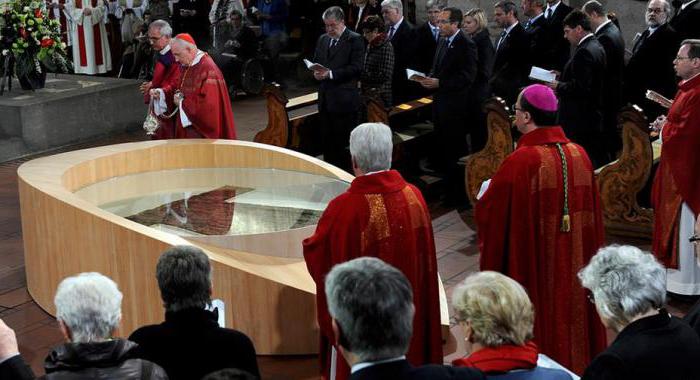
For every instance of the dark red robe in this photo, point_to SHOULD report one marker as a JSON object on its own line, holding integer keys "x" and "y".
{"x": 380, "y": 216}
{"x": 519, "y": 222}
{"x": 166, "y": 76}
{"x": 206, "y": 103}
{"x": 677, "y": 179}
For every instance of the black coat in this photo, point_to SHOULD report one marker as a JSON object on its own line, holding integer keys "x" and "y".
{"x": 538, "y": 33}
{"x": 693, "y": 317}
{"x": 404, "y": 50}
{"x": 190, "y": 344}
{"x": 425, "y": 45}
{"x": 687, "y": 21}
{"x": 580, "y": 93}
{"x": 485, "y": 57}
{"x": 559, "y": 49}
{"x": 402, "y": 370}
{"x": 456, "y": 72}
{"x": 656, "y": 347}
{"x": 611, "y": 39}
{"x": 651, "y": 68}
{"x": 345, "y": 60}
{"x": 511, "y": 65}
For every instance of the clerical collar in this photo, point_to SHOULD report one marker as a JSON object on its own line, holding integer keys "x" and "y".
{"x": 165, "y": 50}
{"x": 686, "y": 5}
{"x": 587, "y": 36}
{"x": 197, "y": 58}
{"x": 364, "y": 365}
{"x": 601, "y": 26}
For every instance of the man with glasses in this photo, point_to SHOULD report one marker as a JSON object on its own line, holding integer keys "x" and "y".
{"x": 166, "y": 75}
{"x": 651, "y": 65}
{"x": 676, "y": 191}
{"x": 539, "y": 221}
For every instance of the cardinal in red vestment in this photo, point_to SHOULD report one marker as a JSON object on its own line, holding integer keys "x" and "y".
{"x": 166, "y": 76}
{"x": 380, "y": 216}
{"x": 201, "y": 96}
{"x": 676, "y": 189}
{"x": 539, "y": 221}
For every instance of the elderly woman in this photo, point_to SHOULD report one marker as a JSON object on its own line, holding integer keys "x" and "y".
{"x": 379, "y": 62}
{"x": 628, "y": 287}
{"x": 474, "y": 25}
{"x": 88, "y": 310}
{"x": 497, "y": 318}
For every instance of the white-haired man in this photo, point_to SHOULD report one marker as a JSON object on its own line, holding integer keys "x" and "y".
{"x": 204, "y": 107}
{"x": 88, "y": 310}
{"x": 371, "y": 309}
{"x": 401, "y": 34}
{"x": 383, "y": 216}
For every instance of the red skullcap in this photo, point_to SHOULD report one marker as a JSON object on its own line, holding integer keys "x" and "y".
{"x": 186, "y": 37}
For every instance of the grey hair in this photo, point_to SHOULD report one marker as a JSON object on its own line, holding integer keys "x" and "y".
{"x": 183, "y": 43}
{"x": 90, "y": 305}
{"x": 336, "y": 13}
{"x": 440, "y": 4}
{"x": 625, "y": 282}
{"x": 163, "y": 27}
{"x": 372, "y": 304}
{"x": 184, "y": 278}
{"x": 371, "y": 146}
{"x": 395, "y": 4}
{"x": 667, "y": 7}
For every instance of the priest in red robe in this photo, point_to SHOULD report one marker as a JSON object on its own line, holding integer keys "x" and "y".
{"x": 676, "y": 190}
{"x": 539, "y": 221}
{"x": 382, "y": 216}
{"x": 166, "y": 77}
{"x": 204, "y": 107}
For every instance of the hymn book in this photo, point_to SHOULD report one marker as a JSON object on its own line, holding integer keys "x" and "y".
{"x": 415, "y": 75}
{"x": 314, "y": 66}
{"x": 542, "y": 75}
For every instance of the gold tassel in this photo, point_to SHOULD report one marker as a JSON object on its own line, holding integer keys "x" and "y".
{"x": 565, "y": 223}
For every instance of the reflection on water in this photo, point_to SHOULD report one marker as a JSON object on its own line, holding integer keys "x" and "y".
{"x": 221, "y": 201}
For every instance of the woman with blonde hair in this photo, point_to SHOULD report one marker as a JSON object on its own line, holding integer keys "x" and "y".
{"x": 497, "y": 318}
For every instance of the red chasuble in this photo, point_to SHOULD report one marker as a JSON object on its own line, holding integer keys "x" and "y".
{"x": 519, "y": 221}
{"x": 380, "y": 216}
{"x": 166, "y": 76}
{"x": 677, "y": 179}
{"x": 206, "y": 103}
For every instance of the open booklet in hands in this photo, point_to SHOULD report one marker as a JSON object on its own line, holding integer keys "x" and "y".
{"x": 415, "y": 75}
{"x": 314, "y": 66}
{"x": 542, "y": 75}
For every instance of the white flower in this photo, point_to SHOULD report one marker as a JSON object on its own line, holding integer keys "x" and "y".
{"x": 5, "y": 52}
{"x": 63, "y": 45}
{"x": 26, "y": 9}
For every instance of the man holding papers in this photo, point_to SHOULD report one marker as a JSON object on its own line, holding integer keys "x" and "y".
{"x": 338, "y": 65}
{"x": 452, "y": 75}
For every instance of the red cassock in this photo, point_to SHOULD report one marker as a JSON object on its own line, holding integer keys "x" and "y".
{"x": 380, "y": 216}
{"x": 206, "y": 103}
{"x": 519, "y": 221}
{"x": 677, "y": 179}
{"x": 166, "y": 76}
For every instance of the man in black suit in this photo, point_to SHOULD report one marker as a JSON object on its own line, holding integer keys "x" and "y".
{"x": 611, "y": 39}
{"x": 536, "y": 28}
{"x": 371, "y": 306}
{"x": 558, "y": 47}
{"x": 189, "y": 343}
{"x": 512, "y": 64}
{"x": 400, "y": 33}
{"x": 451, "y": 77}
{"x": 687, "y": 19}
{"x": 651, "y": 65}
{"x": 341, "y": 52}
{"x": 427, "y": 37}
{"x": 580, "y": 88}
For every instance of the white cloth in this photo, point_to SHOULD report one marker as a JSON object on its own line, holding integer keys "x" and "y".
{"x": 57, "y": 15}
{"x": 686, "y": 279}
{"x": 160, "y": 106}
{"x": 81, "y": 21}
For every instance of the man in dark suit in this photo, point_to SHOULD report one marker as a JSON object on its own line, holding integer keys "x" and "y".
{"x": 189, "y": 343}
{"x": 341, "y": 52}
{"x": 371, "y": 306}
{"x": 580, "y": 88}
{"x": 400, "y": 33}
{"x": 427, "y": 37}
{"x": 451, "y": 77}
{"x": 512, "y": 64}
{"x": 687, "y": 19}
{"x": 611, "y": 39}
{"x": 558, "y": 47}
{"x": 651, "y": 65}
{"x": 536, "y": 28}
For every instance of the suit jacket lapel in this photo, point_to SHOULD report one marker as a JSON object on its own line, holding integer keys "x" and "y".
{"x": 341, "y": 40}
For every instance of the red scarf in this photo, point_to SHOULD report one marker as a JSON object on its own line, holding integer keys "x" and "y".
{"x": 501, "y": 359}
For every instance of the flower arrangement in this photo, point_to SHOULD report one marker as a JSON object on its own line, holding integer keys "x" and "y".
{"x": 31, "y": 40}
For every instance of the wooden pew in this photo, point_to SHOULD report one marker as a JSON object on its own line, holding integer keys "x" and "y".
{"x": 620, "y": 181}
{"x": 285, "y": 118}
{"x": 483, "y": 164}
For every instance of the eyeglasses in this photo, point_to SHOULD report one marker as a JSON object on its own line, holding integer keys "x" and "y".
{"x": 679, "y": 58}
{"x": 515, "y": 107}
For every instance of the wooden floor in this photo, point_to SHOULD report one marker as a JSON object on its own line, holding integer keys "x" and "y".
{"x": 37, "y": 331}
